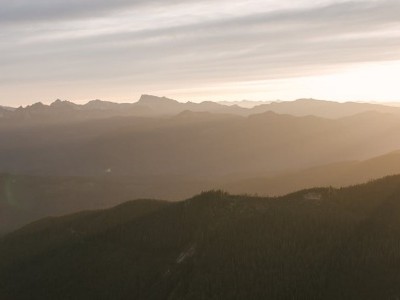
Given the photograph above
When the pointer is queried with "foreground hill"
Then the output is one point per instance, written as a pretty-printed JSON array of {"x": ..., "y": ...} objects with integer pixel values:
[{"x": 313, "y": 244}]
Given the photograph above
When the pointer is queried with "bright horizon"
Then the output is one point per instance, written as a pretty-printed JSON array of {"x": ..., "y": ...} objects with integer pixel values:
[{"x": 199, "y": 50}]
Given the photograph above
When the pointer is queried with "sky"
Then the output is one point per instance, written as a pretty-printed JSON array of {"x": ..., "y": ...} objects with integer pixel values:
[{"x": 198, "y": 50}]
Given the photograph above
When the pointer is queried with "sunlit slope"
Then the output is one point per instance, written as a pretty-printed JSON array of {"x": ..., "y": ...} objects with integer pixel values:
[
  {"x": 320, "y": 243},
  {"x": 335, "y": 175}
]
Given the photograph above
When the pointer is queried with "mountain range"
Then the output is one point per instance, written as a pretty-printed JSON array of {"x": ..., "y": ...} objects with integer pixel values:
[
  {"x": 286, "y": 218},
  {"x": 56, "y": 160},
  {"x": 199, "y": 145},
  {"x": 148, "y": 105}
]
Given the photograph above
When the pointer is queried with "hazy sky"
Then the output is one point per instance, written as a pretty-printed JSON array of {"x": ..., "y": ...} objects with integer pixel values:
[{"x": 199, "y": 49}]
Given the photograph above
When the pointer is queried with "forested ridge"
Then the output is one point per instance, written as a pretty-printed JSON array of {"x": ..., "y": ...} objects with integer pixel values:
[{"x": 321, "y": 243}]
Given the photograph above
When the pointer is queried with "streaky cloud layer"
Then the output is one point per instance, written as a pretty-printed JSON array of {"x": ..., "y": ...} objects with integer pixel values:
[{"x": 196, "y": 49}]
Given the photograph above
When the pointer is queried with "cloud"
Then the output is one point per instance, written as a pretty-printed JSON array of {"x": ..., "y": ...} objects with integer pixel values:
[
  {"x": 44, "y": 10},
  {"x": 194, "y": 43},
  {"x": 28, "y": 11}
]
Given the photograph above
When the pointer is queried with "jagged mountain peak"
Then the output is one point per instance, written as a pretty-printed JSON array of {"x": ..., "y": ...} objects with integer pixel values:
[
  {"x": 63, "y": 104},
  {"x": 150, "y": 99}
]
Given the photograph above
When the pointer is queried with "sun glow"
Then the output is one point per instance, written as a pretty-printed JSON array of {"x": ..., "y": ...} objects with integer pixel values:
[
  {"x": 377, "y": 82},
  {"x": 372, "y": 81}
]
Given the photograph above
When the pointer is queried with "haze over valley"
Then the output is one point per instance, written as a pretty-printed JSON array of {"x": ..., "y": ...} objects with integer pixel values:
[{"x": 64, "y": 157}]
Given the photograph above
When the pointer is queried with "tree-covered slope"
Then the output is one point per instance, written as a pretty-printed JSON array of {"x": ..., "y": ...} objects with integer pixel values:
[{"x": 312, "y": 244}]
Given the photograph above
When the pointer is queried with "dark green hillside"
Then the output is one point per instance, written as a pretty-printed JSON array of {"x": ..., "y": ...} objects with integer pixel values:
[{"x": 312, "y": 244}]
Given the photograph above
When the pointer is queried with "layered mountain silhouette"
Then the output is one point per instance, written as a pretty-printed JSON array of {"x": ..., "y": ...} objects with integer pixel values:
[
  {"x": 24, "y": 198},
  {"x": 194, "y": 144},
  {"x": 148, "y": 105},
  {"x": 320, "y": 243},
  {"x": 66, "y": 111},
  {"x": 62, "y": 158},
  {"x": 66, "y": 166}
]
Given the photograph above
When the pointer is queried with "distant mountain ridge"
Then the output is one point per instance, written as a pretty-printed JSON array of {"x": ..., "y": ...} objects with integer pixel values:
[
  {"x": 324, "y": 109},
  {"x": 147, "y": 106},
  {"x": 245, "y": 103},
  {"x": 150, "y": 106}
]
